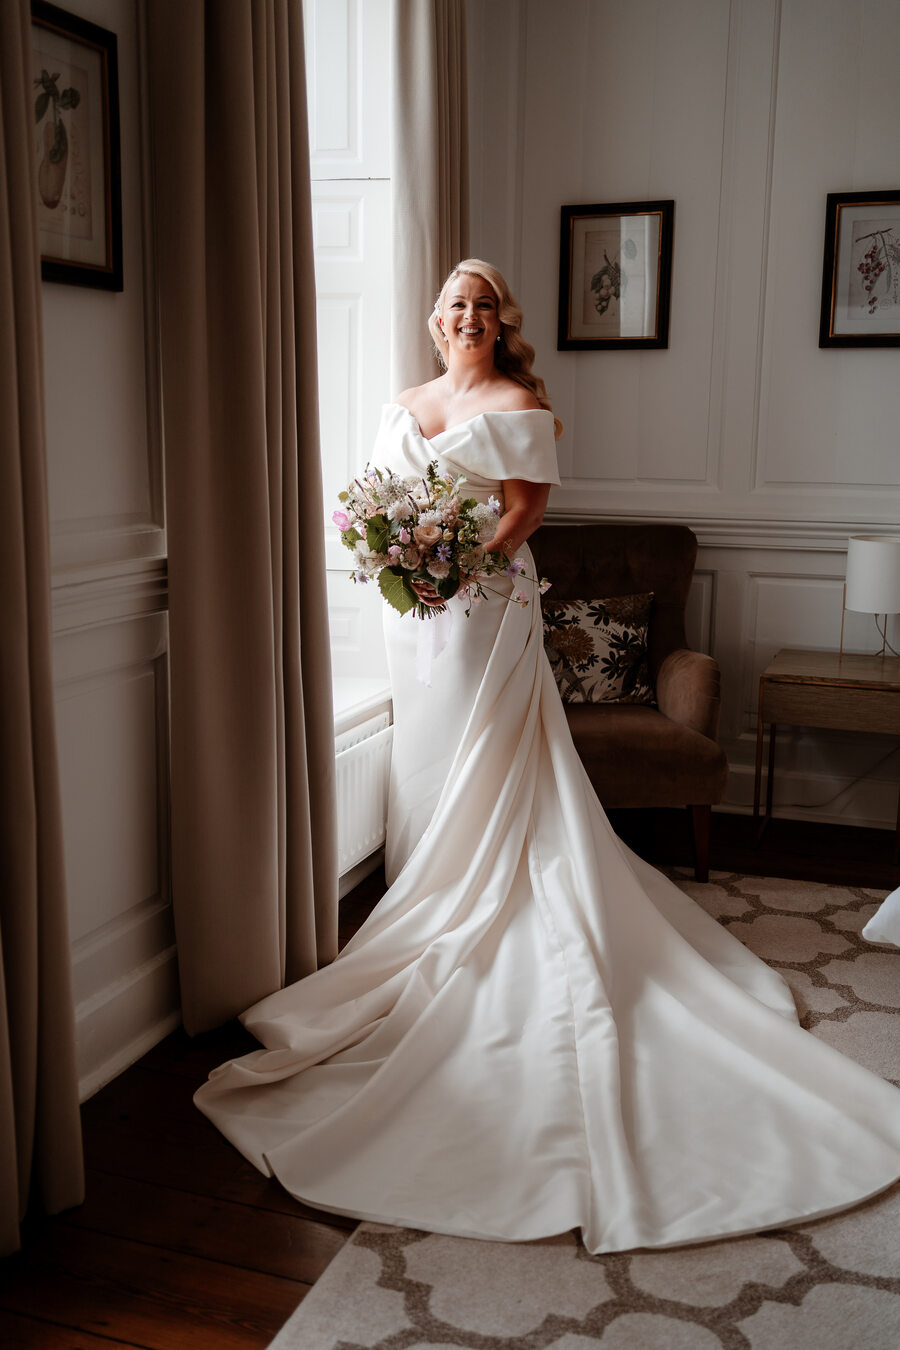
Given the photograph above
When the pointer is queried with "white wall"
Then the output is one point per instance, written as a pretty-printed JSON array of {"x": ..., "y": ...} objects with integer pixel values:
[
  {"x": 774, "y": 451},
  {"x": 109, "y": 601}
]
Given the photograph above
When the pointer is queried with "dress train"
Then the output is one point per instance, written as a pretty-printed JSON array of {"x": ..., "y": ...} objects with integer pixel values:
[{"x": 535, "y": 1031}]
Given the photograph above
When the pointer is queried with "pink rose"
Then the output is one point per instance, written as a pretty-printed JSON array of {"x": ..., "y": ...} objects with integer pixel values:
[
  {"x": 404, "y": 535},
  {"x": 341, "y": 519},
  {"x": 426, "y": 535}
]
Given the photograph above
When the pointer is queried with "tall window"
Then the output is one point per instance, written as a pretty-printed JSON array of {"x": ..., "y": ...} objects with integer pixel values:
[{"x": 348, "y": 84}]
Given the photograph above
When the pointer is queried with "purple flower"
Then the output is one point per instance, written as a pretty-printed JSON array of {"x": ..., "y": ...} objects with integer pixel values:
[
  {"x": 360, "y": 576},
  {"x": 514, "y": 568},
  {"x": 443, "y": 552},
  {"x": 341, "y": 519}
]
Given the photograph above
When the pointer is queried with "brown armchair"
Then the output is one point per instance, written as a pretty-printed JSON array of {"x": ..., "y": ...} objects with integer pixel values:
[{"x": 637, "y": 755}]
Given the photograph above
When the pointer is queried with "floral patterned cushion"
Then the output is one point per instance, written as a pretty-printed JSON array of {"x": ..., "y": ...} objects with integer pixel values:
[{"x": 598, "y": 649}]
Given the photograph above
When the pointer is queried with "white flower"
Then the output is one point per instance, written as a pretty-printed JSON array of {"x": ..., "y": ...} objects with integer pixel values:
[
  {"x": 438, "y": 569},
  {"x": 367, "y": 555},
  {"x": 484, "y": 520},
  {"x": 398, "y": 509}
]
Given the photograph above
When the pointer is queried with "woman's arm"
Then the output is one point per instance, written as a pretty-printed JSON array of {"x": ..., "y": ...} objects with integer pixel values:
[{"x": 525, "y": 506}]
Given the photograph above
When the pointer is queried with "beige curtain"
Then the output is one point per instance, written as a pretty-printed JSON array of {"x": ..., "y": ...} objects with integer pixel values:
[
  {"x": 40, "y": 1132},
  {"x": 254, "y": 857},
  {"x": 429, "y": 172}
]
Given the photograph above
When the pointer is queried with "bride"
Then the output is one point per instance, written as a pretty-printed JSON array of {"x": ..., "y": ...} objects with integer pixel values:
[{"x": 534, "y": 1031}]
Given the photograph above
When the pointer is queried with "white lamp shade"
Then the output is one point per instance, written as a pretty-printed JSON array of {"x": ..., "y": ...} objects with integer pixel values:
[{"x": 873, "y": 574}]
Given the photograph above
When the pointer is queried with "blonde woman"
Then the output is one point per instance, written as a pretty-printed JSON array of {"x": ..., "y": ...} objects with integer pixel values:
[{"x": 534, "y": 1031}]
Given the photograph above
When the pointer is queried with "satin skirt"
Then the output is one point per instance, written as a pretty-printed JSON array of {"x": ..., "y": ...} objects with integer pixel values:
[{"x": 535, "y": 1031}]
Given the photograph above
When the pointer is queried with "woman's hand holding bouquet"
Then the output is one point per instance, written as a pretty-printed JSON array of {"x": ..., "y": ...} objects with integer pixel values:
[{"x": 424, "y": 540}]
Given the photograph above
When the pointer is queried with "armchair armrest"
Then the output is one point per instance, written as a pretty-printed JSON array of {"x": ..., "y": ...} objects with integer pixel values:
[{"x": 688, "y": 691}]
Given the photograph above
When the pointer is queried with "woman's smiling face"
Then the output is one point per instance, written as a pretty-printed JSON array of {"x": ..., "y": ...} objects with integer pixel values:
[{"x": 469, "y": 315}]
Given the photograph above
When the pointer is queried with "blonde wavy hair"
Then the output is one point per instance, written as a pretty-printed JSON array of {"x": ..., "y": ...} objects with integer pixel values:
[{"x": 513, "y": 356}]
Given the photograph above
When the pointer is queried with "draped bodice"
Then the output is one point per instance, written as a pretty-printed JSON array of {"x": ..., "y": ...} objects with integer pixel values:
[{"x": 488, "y": 448}]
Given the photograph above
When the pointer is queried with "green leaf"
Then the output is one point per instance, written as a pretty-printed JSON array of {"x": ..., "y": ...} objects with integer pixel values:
[
  {"x": 447, "y": 586},
  {"x": 396, "y": 590},
  {"x": 40, "y": 105},
  {"x": 350, "y": 538},
  {"x": 378, "y": 534}
]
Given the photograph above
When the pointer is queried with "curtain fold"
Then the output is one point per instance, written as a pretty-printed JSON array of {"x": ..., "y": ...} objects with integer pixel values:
[
  {"x": 40, "y": 1131},
  {"x": 254, "y": 854},
  {"x": 429, "y": 172}
]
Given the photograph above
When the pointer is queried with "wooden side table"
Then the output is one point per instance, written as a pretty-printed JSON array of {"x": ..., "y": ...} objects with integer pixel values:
[{"x": 825, "y": 689}]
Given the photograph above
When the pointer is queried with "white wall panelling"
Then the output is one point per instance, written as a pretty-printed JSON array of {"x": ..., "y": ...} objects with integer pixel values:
[
  {"x": 746, "y": 113},
  {"x": 103, "y": 447},
  {"x": 111, "y": 711},
  {"x": 105, "y": 479}
]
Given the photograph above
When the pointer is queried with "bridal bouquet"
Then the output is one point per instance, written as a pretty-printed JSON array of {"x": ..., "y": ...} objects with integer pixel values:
[{"x": 402, "y": 530}]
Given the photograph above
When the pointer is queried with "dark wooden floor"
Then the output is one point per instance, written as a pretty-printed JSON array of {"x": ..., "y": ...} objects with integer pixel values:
[
  {"x": 844, "y": 855},
  {"x": 181, "y": 1244}
]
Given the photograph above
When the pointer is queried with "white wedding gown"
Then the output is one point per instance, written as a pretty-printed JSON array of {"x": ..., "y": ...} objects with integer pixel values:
[{"x": 535, "y": 1031}]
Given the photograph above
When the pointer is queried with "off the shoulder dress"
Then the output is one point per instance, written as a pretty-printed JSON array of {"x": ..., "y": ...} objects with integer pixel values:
[{"x": 535, "y": 1031}]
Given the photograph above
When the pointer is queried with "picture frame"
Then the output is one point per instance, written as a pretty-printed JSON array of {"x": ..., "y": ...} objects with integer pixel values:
[
  {"x": 615, "y": 276},
  {"x": 75, "y": 86},
  {"x": 861, "y": 270}
]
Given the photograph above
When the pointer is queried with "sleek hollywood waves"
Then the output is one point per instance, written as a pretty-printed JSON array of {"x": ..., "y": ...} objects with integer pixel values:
[{"x": 513, "y": 356}]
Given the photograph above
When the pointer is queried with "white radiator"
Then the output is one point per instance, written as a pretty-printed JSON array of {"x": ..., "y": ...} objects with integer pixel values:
[{"x": 363, "y": 760}]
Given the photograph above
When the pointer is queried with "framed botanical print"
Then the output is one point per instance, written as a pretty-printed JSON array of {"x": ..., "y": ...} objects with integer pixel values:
[
  {"x": 861, "y": 270},
  {"x": 615, "y": 275},
  {"x": 75, "y": 87}
]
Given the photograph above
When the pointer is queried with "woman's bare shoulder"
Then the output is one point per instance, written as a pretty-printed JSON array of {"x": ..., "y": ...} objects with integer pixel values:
[
  {"x": 420, "y": 398},
  {"x": 513, "y": 397}
]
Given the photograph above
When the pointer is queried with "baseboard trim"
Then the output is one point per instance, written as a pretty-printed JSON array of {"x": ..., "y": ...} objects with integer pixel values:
[
  {"x": 126, "y": 1055},
  {"x": 362, "y": 870}
]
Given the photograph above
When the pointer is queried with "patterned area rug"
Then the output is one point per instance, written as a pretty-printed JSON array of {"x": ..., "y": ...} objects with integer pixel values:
[{"x": 827, "y": 1285}]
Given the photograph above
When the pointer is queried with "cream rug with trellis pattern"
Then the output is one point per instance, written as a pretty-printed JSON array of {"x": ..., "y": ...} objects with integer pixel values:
[{"x": 827, "y": 1285}]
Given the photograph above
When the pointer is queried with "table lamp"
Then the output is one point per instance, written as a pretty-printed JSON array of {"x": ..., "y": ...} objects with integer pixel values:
[{"x": 873, "y": 580}]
